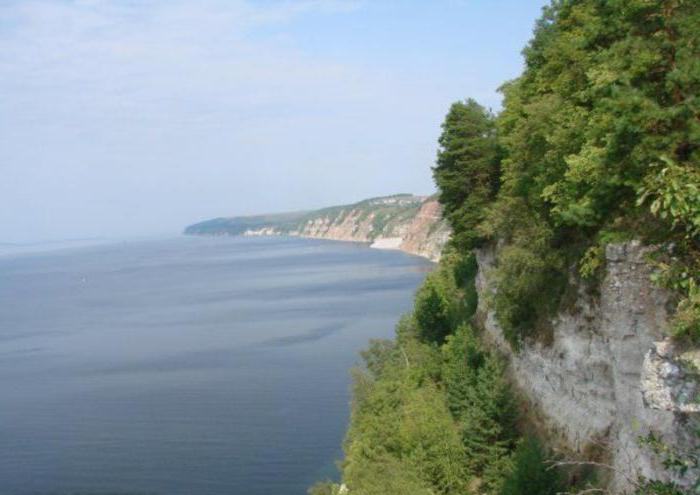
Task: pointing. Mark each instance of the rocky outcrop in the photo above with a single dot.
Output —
(409, 223)
(609, 375)
(427, 233)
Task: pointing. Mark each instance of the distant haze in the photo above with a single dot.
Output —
(121, 117)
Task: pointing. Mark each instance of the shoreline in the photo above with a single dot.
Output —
(382, 244)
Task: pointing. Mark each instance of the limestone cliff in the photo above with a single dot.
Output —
(609, 374)
(410, 223)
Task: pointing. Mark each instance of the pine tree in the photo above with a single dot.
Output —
(531, 475)
(432, 310)
(481, 401)
(467, 168)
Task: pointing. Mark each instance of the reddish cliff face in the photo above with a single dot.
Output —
(419, 229)
(427, 233)
(423, 233)
(405, 222)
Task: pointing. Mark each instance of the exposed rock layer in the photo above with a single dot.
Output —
(608, 375)
(409, 223)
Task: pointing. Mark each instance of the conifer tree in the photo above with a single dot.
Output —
(467, 168)
(481, 401)
(531, 475)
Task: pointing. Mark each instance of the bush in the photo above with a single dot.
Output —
(673, 194)
(530, 474)
(324, 488)
(432, 310)
(481, 401)
(530, 285)
(447, 298)
(402, 437)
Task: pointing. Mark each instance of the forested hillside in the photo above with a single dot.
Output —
(598, 142)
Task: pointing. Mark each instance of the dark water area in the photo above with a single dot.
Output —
(187, 366)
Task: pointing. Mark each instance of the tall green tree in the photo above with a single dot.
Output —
(603, 117)
(467, 168)
(481, 400)
(432, 309)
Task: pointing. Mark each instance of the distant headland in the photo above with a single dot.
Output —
(405, 222)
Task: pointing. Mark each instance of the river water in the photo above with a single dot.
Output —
(186, 366)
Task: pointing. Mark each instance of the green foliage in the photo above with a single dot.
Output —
(659, 488)
(592, 261)
(601, 132)
(377, 355)
(464, 267)
(606, 91)
(686, 322)
(680, 463)
(673, 194)
(432, 309)
(530, 474)
(323, 488)
(401, 425)
(467, 169)
(482, 403)
(430, 440)
(384, 474)
(428, 419)
(446, 298)
(603, 121)
(465, 270)
(598, 141)
(530, 284)
(679, 269)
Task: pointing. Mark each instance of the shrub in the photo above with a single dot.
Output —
(402, 437)
(530, 474)
(324, 488)
(447, 297)
(482, 403)
(432, 310)
(530, 285)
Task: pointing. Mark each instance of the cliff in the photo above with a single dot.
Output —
(409, 223)
(609, 374)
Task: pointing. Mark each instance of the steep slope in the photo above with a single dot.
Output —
(576, 225)
(410, 223)
(609, 373)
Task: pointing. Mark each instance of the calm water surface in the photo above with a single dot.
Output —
(188, 366)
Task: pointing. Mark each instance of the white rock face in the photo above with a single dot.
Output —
(669, 378)
(606, 376)
(387, 243)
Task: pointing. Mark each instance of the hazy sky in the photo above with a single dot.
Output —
(127, 117)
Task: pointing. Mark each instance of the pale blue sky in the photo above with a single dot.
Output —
(125, 117)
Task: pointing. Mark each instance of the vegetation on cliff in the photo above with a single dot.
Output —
(433, 411)
(598, 140)
(382, 213)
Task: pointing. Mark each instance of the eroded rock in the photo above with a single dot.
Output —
(669, 379)
(609, 374)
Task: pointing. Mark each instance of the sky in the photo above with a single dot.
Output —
(127, 118)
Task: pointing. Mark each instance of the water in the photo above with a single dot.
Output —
(187, 366)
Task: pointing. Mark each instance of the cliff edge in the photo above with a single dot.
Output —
(609, 375)
(405, 222)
